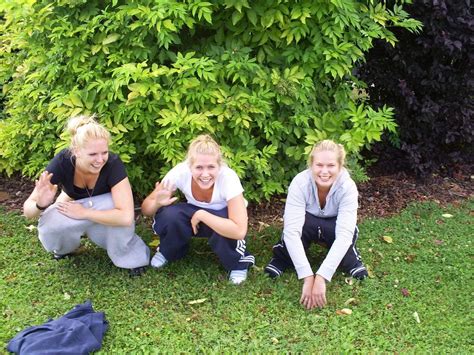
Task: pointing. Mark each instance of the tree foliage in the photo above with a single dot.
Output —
(430, 85)
(266, 78)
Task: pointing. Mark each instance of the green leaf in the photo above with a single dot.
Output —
(169, 25)
(110, 39)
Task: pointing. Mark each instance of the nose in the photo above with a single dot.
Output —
(101, 158)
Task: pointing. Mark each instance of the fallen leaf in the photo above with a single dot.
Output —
(262, 225)
(417, 317)
(67, 296)
(438, 241)
(154, 243)
(369, 271)
(344, 311)
(349, 281)
(274, 340)
(389, 306)
(405, 292)
(349, 301)
(447, 215)
(201, 300)
(410, 258)
(10, 277)
(387, 239)
(30, 227)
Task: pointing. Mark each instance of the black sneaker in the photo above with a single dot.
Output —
(136, 271)
(273, 269)
(58, 257)
(359, 272)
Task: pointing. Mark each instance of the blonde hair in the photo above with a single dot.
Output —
(328, 145)
(85, 128)
(203, 144)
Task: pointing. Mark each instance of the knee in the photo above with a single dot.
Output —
(51, 222)
(171, 215)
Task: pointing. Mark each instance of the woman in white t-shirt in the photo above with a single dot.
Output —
(215, 209)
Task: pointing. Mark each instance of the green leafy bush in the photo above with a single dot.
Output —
(266, 78)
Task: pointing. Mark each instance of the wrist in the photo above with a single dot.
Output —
(41, 208)
(319, 278)
(308, 279)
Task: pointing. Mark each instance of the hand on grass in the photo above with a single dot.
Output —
(319, 291)
(306, 297)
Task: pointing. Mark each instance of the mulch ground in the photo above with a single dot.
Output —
(382, 196)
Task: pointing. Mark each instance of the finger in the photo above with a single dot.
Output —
(304, 301)
(194, 228)
(303, 298)
(320, 301)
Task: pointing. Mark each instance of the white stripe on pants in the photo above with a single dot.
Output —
(62, 234)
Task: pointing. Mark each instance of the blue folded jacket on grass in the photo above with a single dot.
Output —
(79, 331)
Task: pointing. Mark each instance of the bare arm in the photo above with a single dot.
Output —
(233, 227)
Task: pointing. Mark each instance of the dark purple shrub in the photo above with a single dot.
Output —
(428, 79)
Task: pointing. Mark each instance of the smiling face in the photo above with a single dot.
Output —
(325, 168)
(205, 169)
(92, 156)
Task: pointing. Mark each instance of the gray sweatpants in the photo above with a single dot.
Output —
(62, 235)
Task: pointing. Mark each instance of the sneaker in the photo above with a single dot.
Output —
(58, 257)
(158, 260)
(359, 272)
(136, 271)
(272, 270)
(236, 277)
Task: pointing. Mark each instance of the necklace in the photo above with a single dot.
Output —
(89, 203)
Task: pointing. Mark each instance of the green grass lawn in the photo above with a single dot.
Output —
(425, 271)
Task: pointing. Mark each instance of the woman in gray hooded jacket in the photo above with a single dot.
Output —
(321, 207)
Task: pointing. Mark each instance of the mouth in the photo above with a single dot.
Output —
(206, 182)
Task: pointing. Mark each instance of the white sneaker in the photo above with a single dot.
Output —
(158, 260)
(236, 277)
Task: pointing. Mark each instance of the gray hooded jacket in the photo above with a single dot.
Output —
(341, 201)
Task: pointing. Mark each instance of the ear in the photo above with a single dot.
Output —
(75, 152)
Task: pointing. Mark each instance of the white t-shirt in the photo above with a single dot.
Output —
(226, 186)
